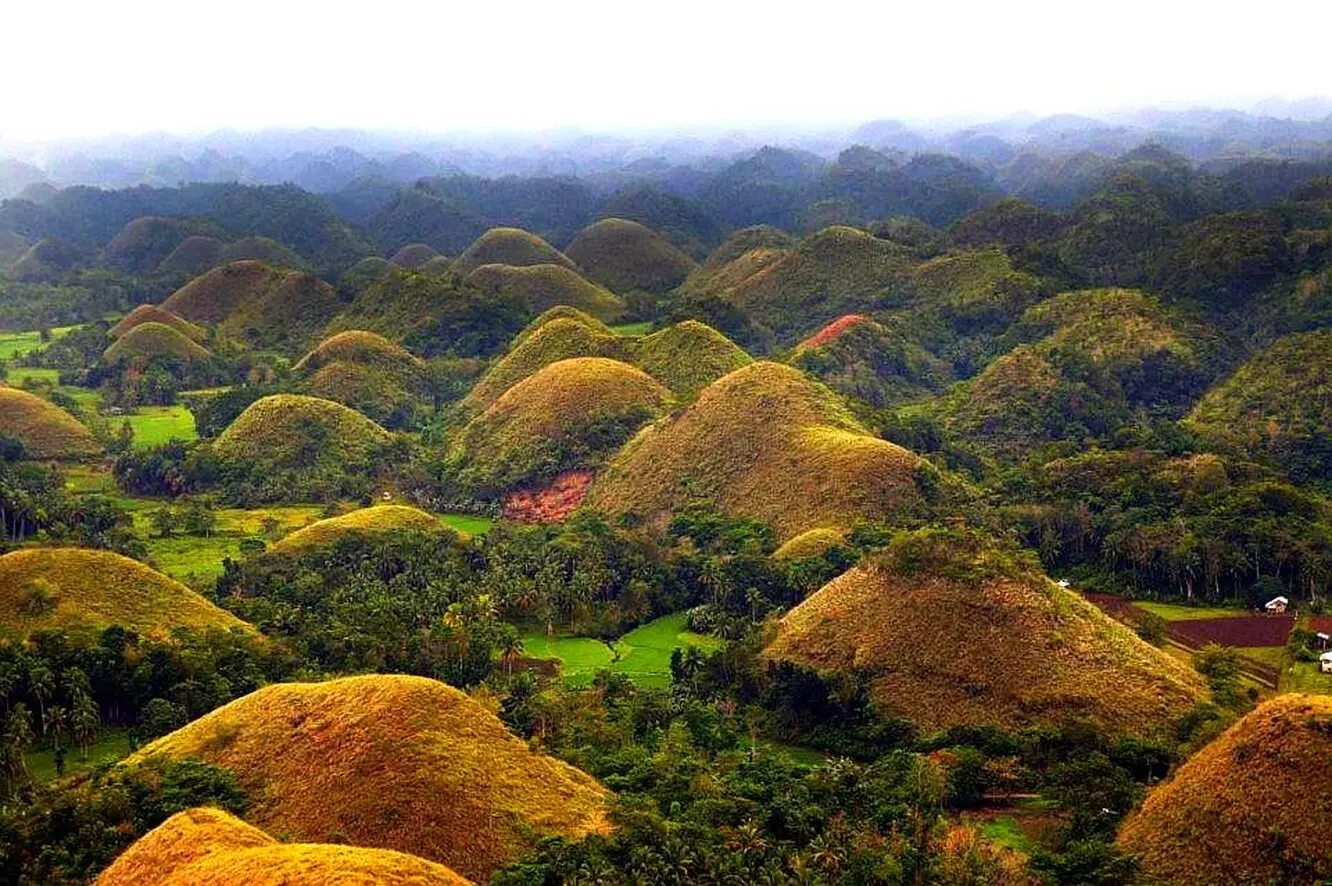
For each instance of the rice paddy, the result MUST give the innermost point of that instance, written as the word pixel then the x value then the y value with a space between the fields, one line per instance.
pixel 643 655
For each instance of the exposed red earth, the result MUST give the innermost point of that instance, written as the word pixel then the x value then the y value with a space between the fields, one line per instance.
pixel 831 331
pixel 550 503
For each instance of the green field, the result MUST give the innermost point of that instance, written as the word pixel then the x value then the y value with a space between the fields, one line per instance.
pixel 112 745
pixel 13 344
pixel 632 329
pixel 1175 612
pixel 468 523
pixel 643 654
pixel 18 376
pixel 155 425
pixel 1004 831
pixel 1304 676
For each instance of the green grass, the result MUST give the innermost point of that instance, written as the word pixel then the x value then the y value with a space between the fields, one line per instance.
pixel 797 754
pixel 1304 676
pixel 12 344
pixel 632 328
pixel 1004 831
pixel 1176 612
pixel 468 523
pixel 643 654
pixel 113 744
pixel 17 375
pixel 155 425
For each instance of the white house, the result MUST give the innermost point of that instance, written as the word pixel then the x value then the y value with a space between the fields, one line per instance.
pixel 1325 662
pixel 1277 605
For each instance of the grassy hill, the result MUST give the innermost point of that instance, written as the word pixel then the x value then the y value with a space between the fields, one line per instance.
pixel 625 256
pixel 812 543
pixel 567 415
pixel 414 255
pixel 837 271
pixel 870 362
pixel 561 337
pixel 155 314
pixel 367 372
pixel 953 631
pixel 144 241
pixel 148 340
pixel 257 305
pixel 1253 806
pixel 360 346
pixel 546 286
pixel 688 356
pixel 296 432
pixel 46 430
pixel 208 845
pixel 509 246
pixel 380 520
pixel 363 273
pixel 46 588
pixel 263 249
pixel 746 240
pixel 193 256
pixel 1276 405
pixel 391 762
pixel 763 442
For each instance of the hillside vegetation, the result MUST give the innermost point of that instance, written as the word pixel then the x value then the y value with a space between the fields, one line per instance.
pixel 625 256
pixel 952 632
pixel 76 588
pixel 552 338
pixel 391 762
pixel 148 340
pixel 209 846
pixel 545 286
pixel 154 314
pixel 44 429
pixel 380 520
pixel 509 246
pixel 1252 806
pixel 688 356
pixel 414 255
pixel 763 442
pixel 870 362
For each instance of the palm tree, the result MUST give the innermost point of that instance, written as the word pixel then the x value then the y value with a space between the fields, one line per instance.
pixel 41 685
pixel 511 646
pixel 84 719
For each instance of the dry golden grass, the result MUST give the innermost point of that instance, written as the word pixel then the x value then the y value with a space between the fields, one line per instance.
pixel 391 762
pixel 148 340
pixel 558 338
pixel 275 429
pixel 1249 807
pixel 688 356
pixel 414 255
pixel 812 543
pixel 744 241
pixel 509 246
pixel 268 251
pixel 359 346
pixel 193 256
pixel 154 314
pixel 966 642
pixel 380 520
pixel 208 847
pixel 547 286
pixel 625 256
pixel 46 430
pixel 83 588
pixel 763 442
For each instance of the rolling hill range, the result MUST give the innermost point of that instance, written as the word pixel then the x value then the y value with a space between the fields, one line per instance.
pixel 545 286
pixel 509 246
pixel 209 846
pixel 688 356
pixel 414 255
pixel 870 362
pixel 625 256
pixel 74 588
pixel 250 302
pixel 1252 806
pixel 767 443
pixel 952 632
pixel 391 762
pixel 44 429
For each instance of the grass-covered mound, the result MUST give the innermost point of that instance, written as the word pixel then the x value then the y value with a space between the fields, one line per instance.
pixel 293 447
pixel 546 286
pixel 625 256
pixel 1253 806
pixel 209 846
pixel 746 240
pixel 391 762
pixel 438 266
pixel 836 271
pixel 813 543
pixel 570 414
pixel 414 255
pixel 263 249
pixel 689 356
pixel 146 341
pixel 192 257
pixel 561 312
pixel 47 259
pixel 144 241
pixel 369 373
pixel 509 246
pixel 767 443
pixel 377 521
pixel 558 338
pixel 1277 405
pixel 258 305
pixel 953 631
pixel 1103 354
pixel 67 588
pixel 154 314
pixel 360 346
pixel 44 429
pixel 870 362
pixel 363 273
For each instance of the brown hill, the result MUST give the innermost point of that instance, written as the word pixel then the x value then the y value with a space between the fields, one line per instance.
pixel 952 631
pixel 391 762
pixel 625 256
pixel 1252 807
pixel 155 314
pixel 44 429
pixel 414 255
pixel 559 338
pixel 547 286
pixel 148 340
pixel 270 252
pixel 509 246
pixel 143 242
pixel 192 257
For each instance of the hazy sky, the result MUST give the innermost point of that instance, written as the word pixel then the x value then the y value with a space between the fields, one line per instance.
pixel 89 68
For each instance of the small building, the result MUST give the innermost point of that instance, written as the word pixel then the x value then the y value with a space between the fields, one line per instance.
pixel 1322 640
pixel 1063 583
pixel 1325 662
pixel 1277 606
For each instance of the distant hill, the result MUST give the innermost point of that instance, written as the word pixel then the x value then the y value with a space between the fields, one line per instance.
pixel 767 443
pixel 568 415
pixel 208 845
pixel 1252 806
pixel 688 356
pixel 546 286
pixel 192 257
pixel 260 306
pixel 869 362
pixel 414 255
pixel 44 429
pixel 71 588
pixel 148 340
pixel 44 261
pixel 154 314
pixel 509 246
pixel 266 250
pixel 277 429
pixel 625 256
pixel 145 241
pixel 391 762
pixel 952 631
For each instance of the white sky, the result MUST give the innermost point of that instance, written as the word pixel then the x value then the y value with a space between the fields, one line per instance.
pixel 92 68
